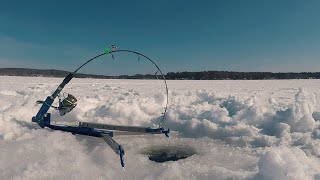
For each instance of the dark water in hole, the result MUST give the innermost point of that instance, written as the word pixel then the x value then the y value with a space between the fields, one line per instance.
pixel 168 153
pixel 164 157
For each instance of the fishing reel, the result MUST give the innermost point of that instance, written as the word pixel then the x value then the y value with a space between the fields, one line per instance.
pixel 66 103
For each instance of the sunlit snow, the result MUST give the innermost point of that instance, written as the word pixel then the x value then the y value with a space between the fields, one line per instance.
pixel 232 129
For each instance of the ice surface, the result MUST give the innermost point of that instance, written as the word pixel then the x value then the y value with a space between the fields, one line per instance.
pixel 235 129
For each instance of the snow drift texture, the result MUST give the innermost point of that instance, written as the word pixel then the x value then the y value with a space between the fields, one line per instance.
pixel 237 129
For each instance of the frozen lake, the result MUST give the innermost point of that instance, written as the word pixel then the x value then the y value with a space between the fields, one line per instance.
pixel 235 129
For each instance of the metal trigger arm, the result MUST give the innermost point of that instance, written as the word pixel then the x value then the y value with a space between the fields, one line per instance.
pixel 115 147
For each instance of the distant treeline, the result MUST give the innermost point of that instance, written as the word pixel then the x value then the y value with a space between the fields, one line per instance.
pixel 225 75
pixel 46 73
pixel 205 75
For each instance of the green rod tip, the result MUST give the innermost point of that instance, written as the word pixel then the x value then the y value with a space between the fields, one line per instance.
pixel 107 50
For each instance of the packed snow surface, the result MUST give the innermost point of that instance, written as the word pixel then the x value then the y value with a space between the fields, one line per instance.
pixel 231 129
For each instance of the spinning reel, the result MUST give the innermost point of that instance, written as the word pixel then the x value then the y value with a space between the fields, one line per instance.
pixel 66 103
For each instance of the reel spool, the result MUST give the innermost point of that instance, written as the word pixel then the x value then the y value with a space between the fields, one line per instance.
pixel 67 104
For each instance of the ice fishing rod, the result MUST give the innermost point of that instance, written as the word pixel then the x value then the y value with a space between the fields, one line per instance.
pixel 71 101
pixel 104 131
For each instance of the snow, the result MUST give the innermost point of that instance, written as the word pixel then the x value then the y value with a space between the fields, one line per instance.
pixel 236 129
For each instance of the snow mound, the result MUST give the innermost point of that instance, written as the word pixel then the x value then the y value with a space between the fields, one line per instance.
pixel 282 163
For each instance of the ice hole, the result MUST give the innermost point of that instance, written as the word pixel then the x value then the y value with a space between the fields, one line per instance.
pixel 162 154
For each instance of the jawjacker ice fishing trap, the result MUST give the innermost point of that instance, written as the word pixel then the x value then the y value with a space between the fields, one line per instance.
pixel 105 131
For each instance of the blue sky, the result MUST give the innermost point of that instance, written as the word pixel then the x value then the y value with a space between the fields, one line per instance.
pixel 180 35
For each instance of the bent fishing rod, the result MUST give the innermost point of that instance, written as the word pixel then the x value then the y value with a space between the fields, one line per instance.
pixel 104 131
